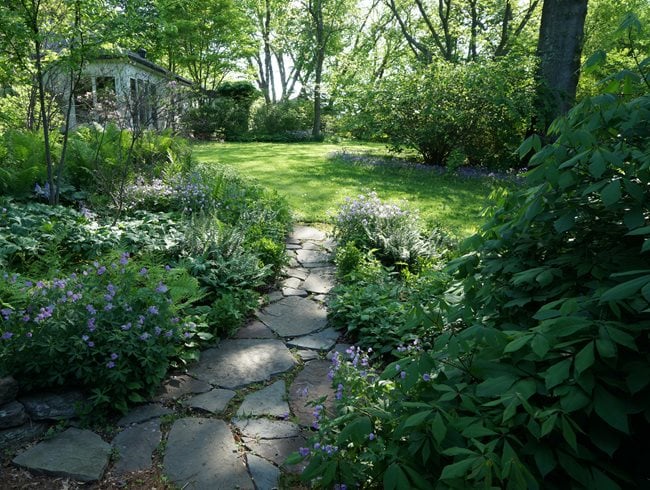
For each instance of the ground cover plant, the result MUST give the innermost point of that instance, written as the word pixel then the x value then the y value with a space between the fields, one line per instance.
pixel 537 373
pixel 316 178
pixel 123 297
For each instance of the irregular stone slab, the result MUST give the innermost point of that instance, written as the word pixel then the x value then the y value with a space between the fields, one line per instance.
pixel 17 436
pixel 8 389
pixel 214 401
pixel 298 273
pixel 292 282
pixel 255 330
pixel 240 362
pixel 12 414
pixel 294 292
pixel 78 454
pixel 277 450
pixel 135 446
pixel 307 355
pixel 311 246
pixel 292 246
pixel 143 413
pixel 178 386
pixel 275 296
pixel 321 298
pixel 265 475
pixel 293 262
pixel 268 401
pixel 330 244
pixel 313 258
pixel 301 232
pixel 294 316
pixel 52 406
pixel 323 340
pixel 201 455
pixel 320 281
pixel 311 383
pixel 266 429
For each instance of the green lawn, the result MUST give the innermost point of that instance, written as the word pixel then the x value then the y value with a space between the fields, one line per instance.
pixel 315 183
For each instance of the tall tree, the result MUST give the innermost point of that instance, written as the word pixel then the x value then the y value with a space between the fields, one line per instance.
pixel 559 48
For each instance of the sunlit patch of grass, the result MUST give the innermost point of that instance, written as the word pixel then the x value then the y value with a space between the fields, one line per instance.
pixel 315 181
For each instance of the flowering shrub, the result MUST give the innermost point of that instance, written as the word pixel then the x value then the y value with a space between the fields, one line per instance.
pixel 187 193
pixel 393 232
pixel 112 329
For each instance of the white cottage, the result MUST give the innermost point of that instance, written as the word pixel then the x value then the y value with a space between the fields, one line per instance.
pixel 130 90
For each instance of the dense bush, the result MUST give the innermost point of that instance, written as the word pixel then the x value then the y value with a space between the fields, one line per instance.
pixel 542 380
pixel 287 121
pixel 22 162
pixel 480 110
pixel 116 326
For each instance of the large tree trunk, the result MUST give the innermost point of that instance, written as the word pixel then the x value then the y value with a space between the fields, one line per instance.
pixel 559 48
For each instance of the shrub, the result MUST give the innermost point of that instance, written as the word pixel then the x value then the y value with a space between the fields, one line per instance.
pixel 22 162
pixel 543 379
pixel 288 121
pixel 115 326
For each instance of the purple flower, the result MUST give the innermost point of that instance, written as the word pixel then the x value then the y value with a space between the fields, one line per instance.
pixel 145 336
pixel 371 436
pixel 6 313
pixel 7 335
pixel 402 374
pixel 91 344
pixel 153 310
pixel 126 326
pixel 304 451
pixel 397 367
pixel 85 338
pixel 101 270
pixel 91 309
pixel 28 335
pixel 143 271
pixel 114 356
pixel 426 377
pixel 161 288
pixel 110 364
pixel 157 330
pixel 124 259
pixel 168 268
pixel 108 307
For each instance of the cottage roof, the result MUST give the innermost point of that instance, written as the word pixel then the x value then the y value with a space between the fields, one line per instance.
pixel 140 59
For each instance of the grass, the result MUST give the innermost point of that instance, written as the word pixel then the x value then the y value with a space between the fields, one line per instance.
pixel 315 183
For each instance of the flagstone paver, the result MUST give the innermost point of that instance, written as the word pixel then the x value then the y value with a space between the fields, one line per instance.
pixel 78 454
pixel 135 446
pixel 214 401
pixel 268 401
pixel 236 363
pixel 201 453
pixel 294 316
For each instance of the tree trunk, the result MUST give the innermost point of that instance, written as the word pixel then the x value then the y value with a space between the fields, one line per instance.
pixel 559 48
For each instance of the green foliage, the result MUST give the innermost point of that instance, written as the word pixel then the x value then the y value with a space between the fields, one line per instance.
pixel 231 309
pixel 22 162
pixel 112 329
pixel 540 376
pixel 287 121
pixel 481 109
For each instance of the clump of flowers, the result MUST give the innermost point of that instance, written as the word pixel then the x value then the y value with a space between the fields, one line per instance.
pixel 108 328
pixel 389 229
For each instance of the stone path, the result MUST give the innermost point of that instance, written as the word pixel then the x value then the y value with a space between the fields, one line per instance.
pixel 254 376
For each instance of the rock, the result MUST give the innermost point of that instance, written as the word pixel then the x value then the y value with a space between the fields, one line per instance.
pixel 320 281
pixel 267 429
pixel 275 296
pixel 297 273
pixel 52 406
pixel 277 450
pixel 294 292
pixel 292 246
pixel 265 475
pixel 201 455
pixel 269 401
pixel 135 446
pixel 323 340
pixel 321 298
pixel 307 355
pixel 311 383
pixel 254 330
pixel 8 389
pixel 17 436
pixel 293 262
pixel 178 386
pixel 291 282
pixel 313 258
pixel 77 454
pixel 12 414
pixel 240 362
pixel 214 401
pixel 143 413
pixel 311 246
pixel 294 316
pixel 301 233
